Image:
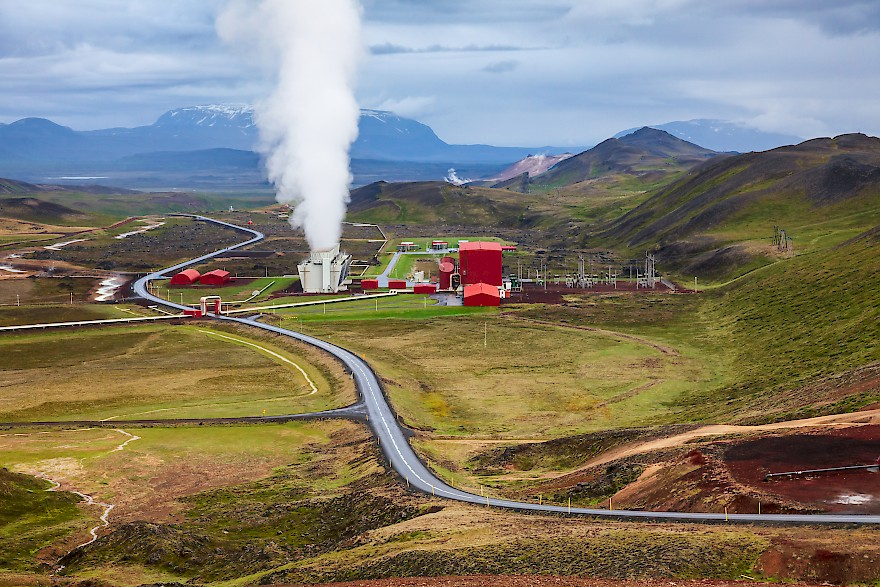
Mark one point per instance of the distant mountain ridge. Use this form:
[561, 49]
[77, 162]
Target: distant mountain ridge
[646, 151]
[382, 135]
[721, 135]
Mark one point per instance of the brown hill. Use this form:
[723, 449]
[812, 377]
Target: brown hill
[646, 152]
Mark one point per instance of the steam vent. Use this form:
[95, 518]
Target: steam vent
[325, 271]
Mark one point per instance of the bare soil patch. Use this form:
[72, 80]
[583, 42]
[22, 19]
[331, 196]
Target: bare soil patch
[856, 492]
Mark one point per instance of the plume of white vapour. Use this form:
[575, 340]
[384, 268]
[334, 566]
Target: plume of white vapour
[308, 123]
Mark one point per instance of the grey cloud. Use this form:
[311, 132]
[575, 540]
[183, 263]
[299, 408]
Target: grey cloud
[501, 66]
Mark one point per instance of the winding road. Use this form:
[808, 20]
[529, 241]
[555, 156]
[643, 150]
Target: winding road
[374, 408]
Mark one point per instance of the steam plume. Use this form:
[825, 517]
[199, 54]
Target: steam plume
[307, 124]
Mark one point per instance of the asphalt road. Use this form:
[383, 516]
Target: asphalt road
[406, 463]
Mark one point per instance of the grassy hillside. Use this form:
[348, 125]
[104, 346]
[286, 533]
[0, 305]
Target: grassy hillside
[31, 517]
[717, 221]
[803, 334]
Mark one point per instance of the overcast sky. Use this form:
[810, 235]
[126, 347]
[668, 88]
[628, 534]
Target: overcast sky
[504, 72]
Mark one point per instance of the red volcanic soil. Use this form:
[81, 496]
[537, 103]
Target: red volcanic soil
[533, 581]
[855, 492]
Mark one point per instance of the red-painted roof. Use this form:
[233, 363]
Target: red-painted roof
[217, 273]
[481, 288]
[447, 267]
[186, 276]
[479, 246]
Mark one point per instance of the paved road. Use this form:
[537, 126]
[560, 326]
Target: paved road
[403, 459]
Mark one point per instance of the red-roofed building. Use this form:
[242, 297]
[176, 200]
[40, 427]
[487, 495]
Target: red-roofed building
[369, 284]
[480, 262]
[481, 294]
[215, 277]
[424, 288]
[397, 284]
[186, 277]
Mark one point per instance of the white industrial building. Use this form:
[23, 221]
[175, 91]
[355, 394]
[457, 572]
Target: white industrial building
[325, 271]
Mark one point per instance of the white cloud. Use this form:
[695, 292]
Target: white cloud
[572, 72]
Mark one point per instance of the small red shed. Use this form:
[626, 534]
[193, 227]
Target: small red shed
[425, 288]
[481, 294]
[396, 284]
[186, 277]
[215, 277]
[369, 284]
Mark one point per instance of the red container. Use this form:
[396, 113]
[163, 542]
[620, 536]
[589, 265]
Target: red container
[424, 288]
[396, 284]
[480, 262]
[369, 284]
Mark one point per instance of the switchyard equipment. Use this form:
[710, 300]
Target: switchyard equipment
[480, 262]
[325, 271]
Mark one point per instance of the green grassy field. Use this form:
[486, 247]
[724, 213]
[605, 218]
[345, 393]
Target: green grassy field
[233, 292]
[401, 307]
[28, 314]
[46, 290]
[135, 372]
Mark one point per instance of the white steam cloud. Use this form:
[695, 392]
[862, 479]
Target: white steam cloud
[312, 48]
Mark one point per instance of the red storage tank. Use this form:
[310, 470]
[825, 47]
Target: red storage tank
[480, 262]
[369, 284]
[424, 288]
[396, 284]
[447, 268]
[481, 294]
[186, 277]
[215, 277]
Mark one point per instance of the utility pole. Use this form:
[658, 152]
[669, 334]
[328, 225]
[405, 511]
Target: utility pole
[485, 335]
[17, 300]
[695, 284]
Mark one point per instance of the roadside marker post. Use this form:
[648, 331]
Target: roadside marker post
[569, 505]
[726, 516]
[610, 505]
[759, 508]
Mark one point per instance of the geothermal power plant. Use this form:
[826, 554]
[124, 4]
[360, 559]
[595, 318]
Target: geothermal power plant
[325, 271]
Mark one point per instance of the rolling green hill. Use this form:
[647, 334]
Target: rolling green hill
[717, 221]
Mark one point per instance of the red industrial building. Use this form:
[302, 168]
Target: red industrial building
[480, 262]
[481, 294]
[396, 284]
[186, 277]
[424, 288]
[369, 284]
[215, 277]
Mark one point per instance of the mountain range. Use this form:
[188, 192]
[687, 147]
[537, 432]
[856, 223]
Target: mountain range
[213, 147]
[722, 136]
